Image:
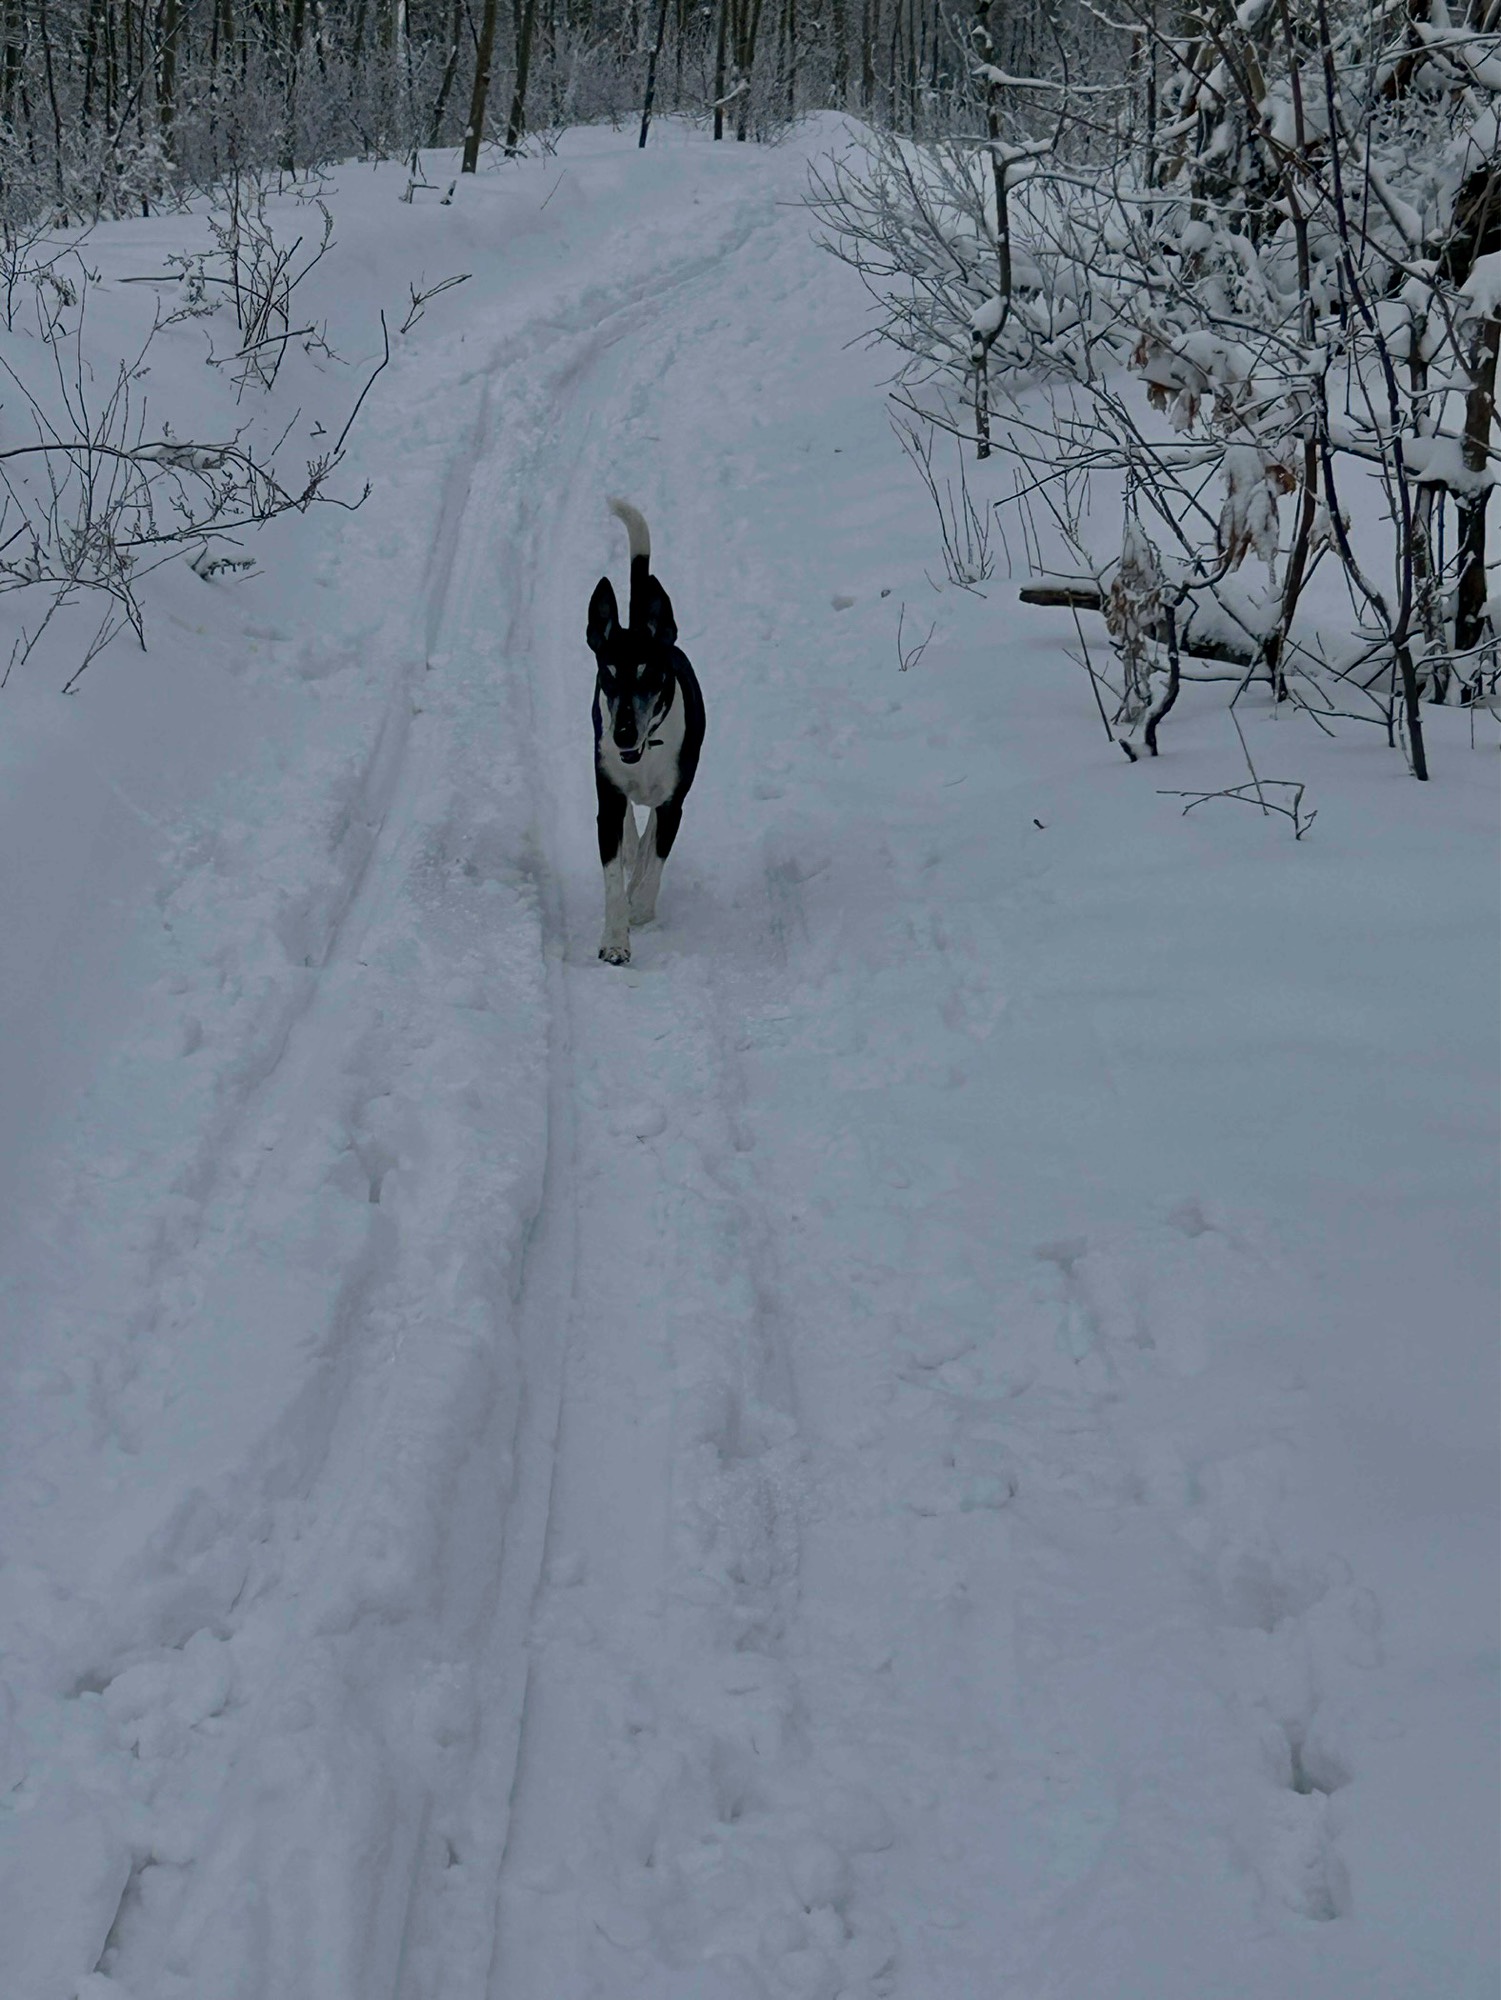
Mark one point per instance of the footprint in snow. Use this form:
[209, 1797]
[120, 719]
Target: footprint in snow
[638, 1120]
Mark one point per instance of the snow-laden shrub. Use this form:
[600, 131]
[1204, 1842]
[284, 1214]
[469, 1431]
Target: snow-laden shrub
[1258, 281]
[101, 480]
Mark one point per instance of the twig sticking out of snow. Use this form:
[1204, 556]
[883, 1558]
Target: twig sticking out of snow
[421, 298]
[908, 656]
[1256, 795]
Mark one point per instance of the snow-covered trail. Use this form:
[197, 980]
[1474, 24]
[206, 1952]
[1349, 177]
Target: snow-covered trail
[320, 1504]
[623, 1255]
[671, 1535]
[857, 1456]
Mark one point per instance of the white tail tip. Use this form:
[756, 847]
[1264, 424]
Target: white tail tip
[635, 527]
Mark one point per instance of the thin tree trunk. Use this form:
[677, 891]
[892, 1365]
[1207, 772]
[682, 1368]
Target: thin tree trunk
[745, 62]
[1297, 566]
[651, 71]
[917, 48]
[90, 63]
[57, 122]
[484, 55]
[166, 73]
[450, 71]
[1480, 418]
[719, 67]
[516, 123]
[111, 67]
[15, 33]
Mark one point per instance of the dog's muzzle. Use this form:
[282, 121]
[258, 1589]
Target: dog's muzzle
[631, 756]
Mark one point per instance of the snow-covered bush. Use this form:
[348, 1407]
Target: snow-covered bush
[1257, 283]
[104, 477]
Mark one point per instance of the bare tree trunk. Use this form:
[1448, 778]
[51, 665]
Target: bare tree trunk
[984, 42]
[1297, 569]
[1480, 419]
[1475, 232]
[57, 122]
[166, 71]
[90, 62]
[722, 35]
[111, 67]
[484, 56]
[224, 33]
[745, 61]
[292, 56]
[651, 70]
[15, 34]
[516, 123]
[915, 56]
[1425, 570]
[450, 71]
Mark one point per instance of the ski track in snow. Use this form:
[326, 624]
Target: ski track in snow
[645, 1522]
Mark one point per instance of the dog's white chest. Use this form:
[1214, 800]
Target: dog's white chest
[652, 780]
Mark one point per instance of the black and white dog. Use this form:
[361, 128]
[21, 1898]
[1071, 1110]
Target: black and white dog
[648, 731]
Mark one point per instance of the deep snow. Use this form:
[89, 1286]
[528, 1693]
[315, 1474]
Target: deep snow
[936, 1436]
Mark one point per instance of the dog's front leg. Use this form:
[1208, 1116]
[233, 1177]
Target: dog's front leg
[656, 845]
[615, 945]
[645, 876]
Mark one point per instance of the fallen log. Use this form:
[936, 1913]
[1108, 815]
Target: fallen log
[1086, 596]
[1064, 596]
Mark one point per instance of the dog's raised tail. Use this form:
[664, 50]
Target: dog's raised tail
[635, 528]
[639, 536]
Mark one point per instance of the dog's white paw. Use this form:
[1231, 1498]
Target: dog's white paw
[641, 918]
[615, 954]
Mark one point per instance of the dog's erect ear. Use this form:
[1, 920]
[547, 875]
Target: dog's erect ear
[656, 614]
[604, 617]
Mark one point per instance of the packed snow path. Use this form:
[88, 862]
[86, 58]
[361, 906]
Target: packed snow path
[903, 1444]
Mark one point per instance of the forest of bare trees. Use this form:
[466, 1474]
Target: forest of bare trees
[106, 106]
